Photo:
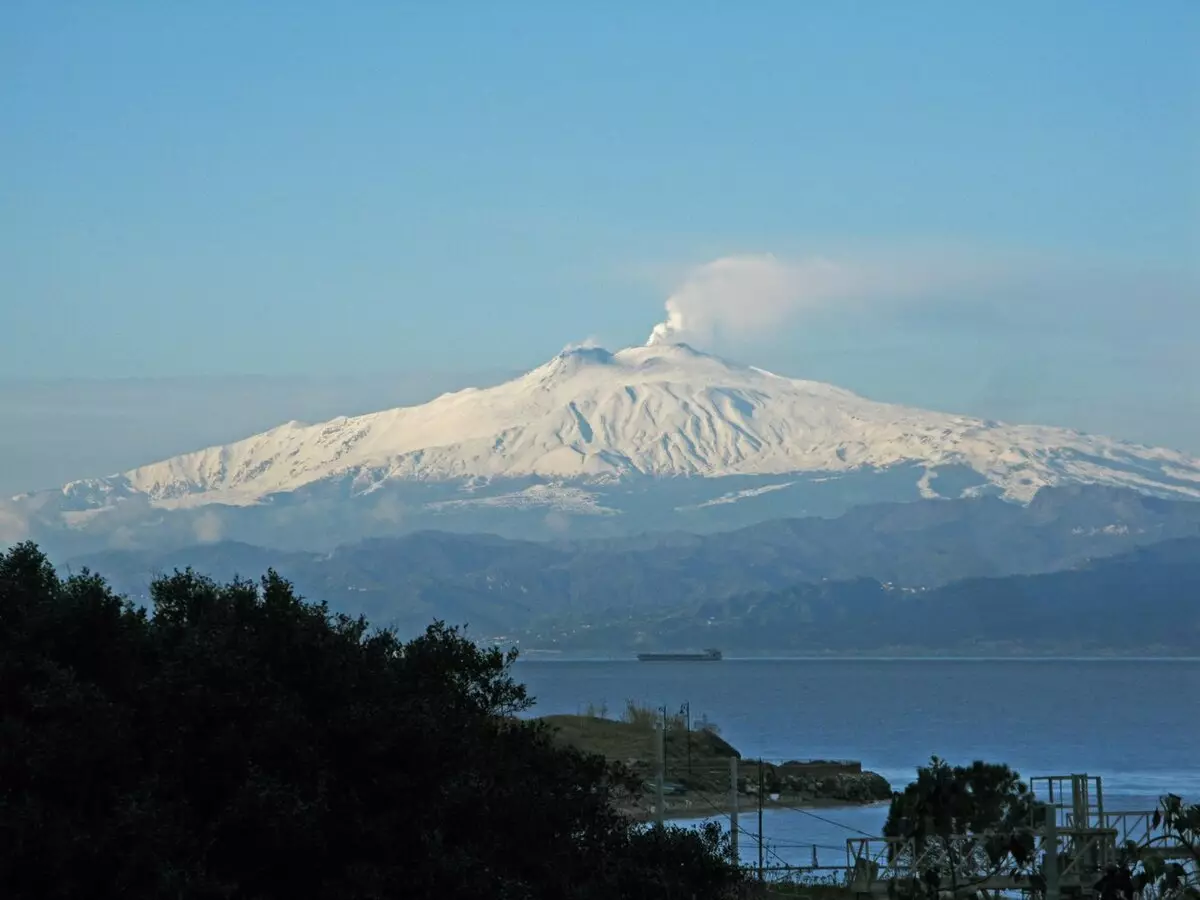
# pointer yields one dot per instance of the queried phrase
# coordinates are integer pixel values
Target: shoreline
(708, 806)
(542, 656)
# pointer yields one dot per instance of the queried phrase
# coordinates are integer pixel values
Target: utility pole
(1050, 859)
(733, 810)
(659, 761)
(760, 820)
(686, 709)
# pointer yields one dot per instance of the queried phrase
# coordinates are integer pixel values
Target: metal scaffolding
(1073, 848)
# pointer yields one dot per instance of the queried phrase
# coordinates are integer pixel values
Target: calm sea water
(1135, 723)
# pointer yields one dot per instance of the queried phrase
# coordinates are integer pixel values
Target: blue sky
(338, 190)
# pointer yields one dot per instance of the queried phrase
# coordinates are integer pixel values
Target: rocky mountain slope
(499, 585)
(1142, 603)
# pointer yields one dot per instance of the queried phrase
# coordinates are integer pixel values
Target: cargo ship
(702, 656)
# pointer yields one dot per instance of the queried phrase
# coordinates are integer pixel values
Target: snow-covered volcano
(591, 427)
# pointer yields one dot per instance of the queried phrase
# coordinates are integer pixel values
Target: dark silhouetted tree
(961, 825)
(238, 742)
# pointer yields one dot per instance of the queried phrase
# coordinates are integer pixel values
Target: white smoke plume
(14, 527)
(749, 295)
(588, 343)
(389, 509)
(208, 528)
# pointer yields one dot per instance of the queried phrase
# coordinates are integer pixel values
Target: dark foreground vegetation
(234, 741)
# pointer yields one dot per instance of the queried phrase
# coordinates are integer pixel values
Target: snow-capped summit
(589, 426)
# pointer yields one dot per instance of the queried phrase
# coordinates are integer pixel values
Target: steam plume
(749, 295)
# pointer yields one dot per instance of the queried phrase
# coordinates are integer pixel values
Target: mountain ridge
(1139, 603)
(500, 584)
(602, 436)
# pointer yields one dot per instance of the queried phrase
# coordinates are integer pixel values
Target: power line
(784, 842)
(672, 755)
(809, 812)
(722, 809)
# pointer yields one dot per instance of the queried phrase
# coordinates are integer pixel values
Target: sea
(1133, 722)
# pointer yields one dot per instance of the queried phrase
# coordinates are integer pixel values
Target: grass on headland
(697, 763)
(632, 738)
(696, 759)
